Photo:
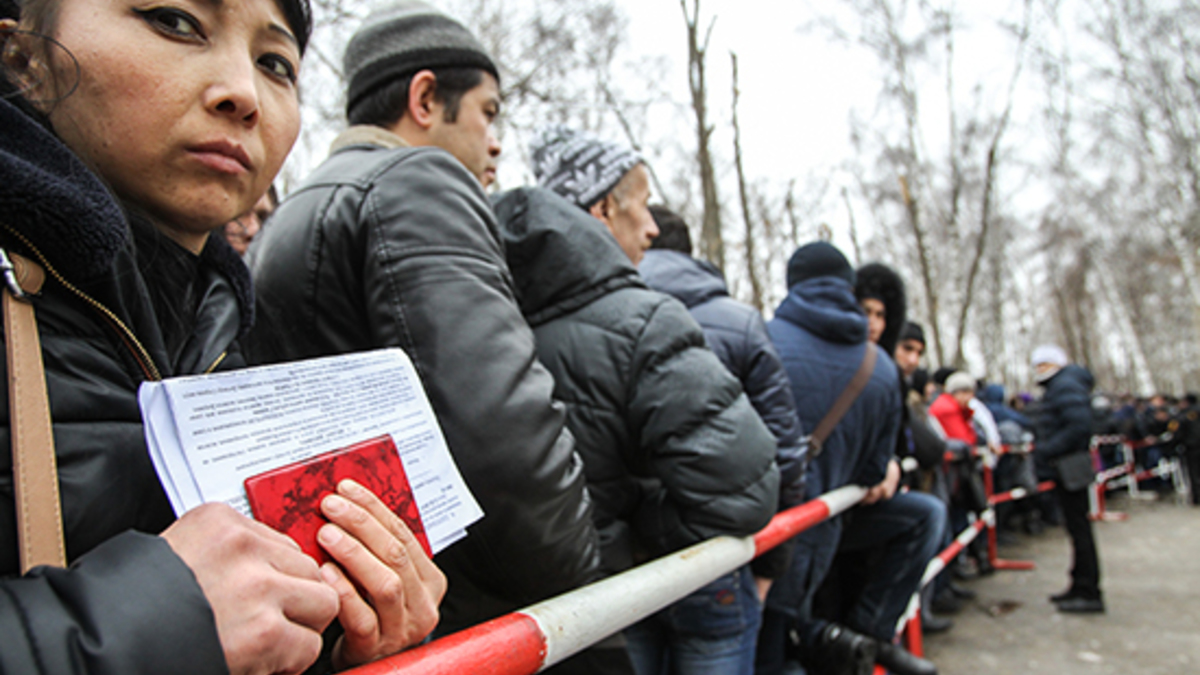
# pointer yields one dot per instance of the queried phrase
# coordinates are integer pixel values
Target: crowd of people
(604, 397)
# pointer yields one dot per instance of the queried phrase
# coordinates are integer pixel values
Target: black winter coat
(673, 451)
(127, 604)
(738, 336)
(1063, 424)
(391, 246)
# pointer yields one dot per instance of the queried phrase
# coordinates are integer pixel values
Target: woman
(129, 131)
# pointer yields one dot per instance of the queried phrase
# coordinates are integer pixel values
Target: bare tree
(752, 269)
(712, 243)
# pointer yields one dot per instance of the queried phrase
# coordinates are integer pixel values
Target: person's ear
(602, 210)
(422, 99)
(20, 56)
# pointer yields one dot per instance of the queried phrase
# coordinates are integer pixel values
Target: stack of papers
(209, 433)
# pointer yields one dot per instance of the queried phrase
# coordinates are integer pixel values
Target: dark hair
(673, 233)
(384, 106)
(41, 15)
(941, 374)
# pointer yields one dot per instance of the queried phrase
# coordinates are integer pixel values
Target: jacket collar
(52, 199)
(367, 134)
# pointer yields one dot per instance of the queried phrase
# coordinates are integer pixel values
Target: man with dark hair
(392, 243)
(822, 334)
(674, 453)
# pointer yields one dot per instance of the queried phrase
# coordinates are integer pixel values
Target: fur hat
(403, 37)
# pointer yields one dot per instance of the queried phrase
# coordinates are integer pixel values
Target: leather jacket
(391, 246)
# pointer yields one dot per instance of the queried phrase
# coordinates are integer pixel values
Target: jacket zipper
(131, 342)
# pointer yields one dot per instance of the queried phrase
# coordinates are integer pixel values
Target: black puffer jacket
(386, 245)
(674, 453)
(128, 604)
(1063, 424)
(738, 336)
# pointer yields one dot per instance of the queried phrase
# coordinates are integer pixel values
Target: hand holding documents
(208, 434)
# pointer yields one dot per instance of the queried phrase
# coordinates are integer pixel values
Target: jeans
(909, 529)
(713, 631)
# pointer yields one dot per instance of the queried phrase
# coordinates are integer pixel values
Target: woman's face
(187, 108)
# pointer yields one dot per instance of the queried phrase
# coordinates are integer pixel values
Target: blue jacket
(993, 397)
(821, 334)
(1064, 418)
(738, 336)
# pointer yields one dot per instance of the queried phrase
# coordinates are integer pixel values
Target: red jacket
(954, 418)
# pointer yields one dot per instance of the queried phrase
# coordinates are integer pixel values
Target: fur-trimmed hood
(876, 280)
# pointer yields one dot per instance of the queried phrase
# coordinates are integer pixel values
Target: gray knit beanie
(403, 37)
(580, 166)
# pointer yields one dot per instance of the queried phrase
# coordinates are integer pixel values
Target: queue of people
(605, 399)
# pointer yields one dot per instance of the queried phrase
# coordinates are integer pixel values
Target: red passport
(289, 498)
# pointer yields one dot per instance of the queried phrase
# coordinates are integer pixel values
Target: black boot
(931, 624)
(841, 651)
(961, 592)
(899, 662)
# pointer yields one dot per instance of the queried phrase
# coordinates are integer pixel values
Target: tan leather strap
(842, 405)
(35, 471)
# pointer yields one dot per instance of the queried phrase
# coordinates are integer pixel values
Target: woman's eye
(172, 21)
(279, 67)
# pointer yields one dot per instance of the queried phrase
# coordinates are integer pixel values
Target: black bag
(1075, 471)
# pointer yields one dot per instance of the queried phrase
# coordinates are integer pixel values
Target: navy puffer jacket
(1064, 418)
(738, 336)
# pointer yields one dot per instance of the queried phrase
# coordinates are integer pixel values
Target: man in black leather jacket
(392, 242)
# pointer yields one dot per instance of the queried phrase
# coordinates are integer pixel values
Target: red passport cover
(289, 498)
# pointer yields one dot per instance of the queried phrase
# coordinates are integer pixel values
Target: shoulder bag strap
(845, 400)
(35, 471)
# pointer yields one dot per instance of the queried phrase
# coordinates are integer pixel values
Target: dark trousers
(1085, 570)
(1192, 459)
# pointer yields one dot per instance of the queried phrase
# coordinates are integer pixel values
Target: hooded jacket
(127, 604)
(673, 452)
(1064, 418)
(387, 245)
(821, 335)
(738, 336)
(876, 280)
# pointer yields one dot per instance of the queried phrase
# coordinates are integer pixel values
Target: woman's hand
(268, 598)
(390, 600)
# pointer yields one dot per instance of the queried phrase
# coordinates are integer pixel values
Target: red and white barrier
(540, 636)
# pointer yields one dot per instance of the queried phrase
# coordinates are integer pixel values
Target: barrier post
(993, 556)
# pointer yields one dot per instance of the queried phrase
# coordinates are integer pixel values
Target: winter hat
(403, 37)
(818, 259)
(579, 166)
(912, 331)
(960, 381)
(1052, 354)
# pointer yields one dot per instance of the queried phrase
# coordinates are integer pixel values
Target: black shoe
(900, 662)
(841, 651)
(931, 624)
(1068, 594)
(961, 592)
(945, 603)
(1082, 606)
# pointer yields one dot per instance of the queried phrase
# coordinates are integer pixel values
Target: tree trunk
(756, 295)
(712, 244)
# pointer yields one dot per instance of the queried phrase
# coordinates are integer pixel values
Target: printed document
(208, 433)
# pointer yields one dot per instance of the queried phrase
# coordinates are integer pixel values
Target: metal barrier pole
(529, 640)
(993, 557)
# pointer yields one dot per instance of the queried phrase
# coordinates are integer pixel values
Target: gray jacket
(387, 245)
(674, 453)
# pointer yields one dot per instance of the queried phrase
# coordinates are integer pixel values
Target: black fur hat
(876, 280)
